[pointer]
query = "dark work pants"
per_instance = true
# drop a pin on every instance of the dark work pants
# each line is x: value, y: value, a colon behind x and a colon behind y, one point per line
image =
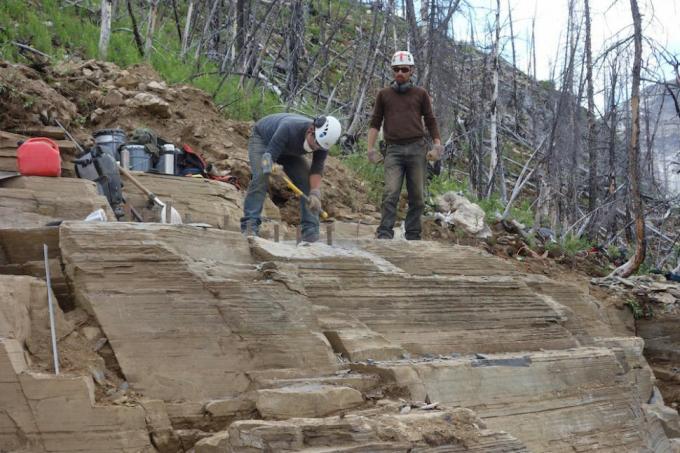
x: 404, y: 161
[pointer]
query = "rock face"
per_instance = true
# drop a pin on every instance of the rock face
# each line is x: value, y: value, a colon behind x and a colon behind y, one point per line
x: 33, y: 201
x: 456, y: 430
x: 43, y: 412
x: 198, y: 200
x: 214, y: 330
x: 587, y: 407
x: 306, y: 401
x: 256, y: 326
x: 194, y: 295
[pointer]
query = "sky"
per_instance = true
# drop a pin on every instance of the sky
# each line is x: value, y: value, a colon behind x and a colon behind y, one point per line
x: 611, y: 20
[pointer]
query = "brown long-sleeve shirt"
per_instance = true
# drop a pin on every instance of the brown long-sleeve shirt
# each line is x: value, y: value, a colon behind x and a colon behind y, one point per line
x: 403, y: 115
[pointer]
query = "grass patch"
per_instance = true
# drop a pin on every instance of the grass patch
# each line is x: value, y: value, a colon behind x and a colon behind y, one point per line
x: 64, y: 31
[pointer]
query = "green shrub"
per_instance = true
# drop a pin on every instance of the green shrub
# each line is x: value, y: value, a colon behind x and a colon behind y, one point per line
x: 572, y: 244
x: 635, y: 308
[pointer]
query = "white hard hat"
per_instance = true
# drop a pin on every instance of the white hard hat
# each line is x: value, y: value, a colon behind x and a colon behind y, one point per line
x: 402, y: 58
x: 327, y: 130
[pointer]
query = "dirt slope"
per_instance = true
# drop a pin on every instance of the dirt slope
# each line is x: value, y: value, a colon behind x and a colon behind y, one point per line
x: 87, y: 95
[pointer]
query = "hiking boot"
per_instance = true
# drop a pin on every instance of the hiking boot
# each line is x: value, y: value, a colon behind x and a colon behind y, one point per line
x: 310, y: 238
x: 383, y: 236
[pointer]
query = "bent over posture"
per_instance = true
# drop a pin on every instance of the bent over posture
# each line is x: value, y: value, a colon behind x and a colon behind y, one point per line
x: 287, y: 138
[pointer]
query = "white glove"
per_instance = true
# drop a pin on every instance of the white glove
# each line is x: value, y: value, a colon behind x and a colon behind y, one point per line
x: 435, y: 153
x: 373, y: 157
x: 314, y: 201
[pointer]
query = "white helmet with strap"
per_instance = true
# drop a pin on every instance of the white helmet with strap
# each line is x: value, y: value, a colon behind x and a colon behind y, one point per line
x: 327, y: 131
x: 402, y: 58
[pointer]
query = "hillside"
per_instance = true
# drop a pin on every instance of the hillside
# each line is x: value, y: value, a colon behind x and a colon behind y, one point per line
x: 191, y: 338
x: 180, y: 338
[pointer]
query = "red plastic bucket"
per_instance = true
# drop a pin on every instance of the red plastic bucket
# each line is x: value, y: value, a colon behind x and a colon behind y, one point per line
x: 39, y: 157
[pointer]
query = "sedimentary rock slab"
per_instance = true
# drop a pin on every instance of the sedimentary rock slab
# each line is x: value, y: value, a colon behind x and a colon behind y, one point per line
x: 306, y: 401
x: 452, y: 430
x: 186, y: 311
x: 33, y: 201
x: 435, y: 258
x: 552, y: 401
x: 198, y: 200
x: 424, y: 315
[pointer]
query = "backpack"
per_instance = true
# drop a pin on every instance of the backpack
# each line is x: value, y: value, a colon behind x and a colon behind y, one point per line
x: 189, y: 162
x: 99, y: 166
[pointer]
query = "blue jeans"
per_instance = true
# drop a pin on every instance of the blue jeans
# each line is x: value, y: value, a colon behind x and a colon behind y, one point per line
x: 404, y: 162
x: 297, y: 169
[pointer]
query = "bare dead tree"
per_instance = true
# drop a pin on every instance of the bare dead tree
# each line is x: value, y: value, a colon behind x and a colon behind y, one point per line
x: 493, y: 115
x: 135, y: 29
x: 367, y: 70
x: 295, y: 45
x: 105, y: 30
x: 514, y: 99
x: 590, y: 141
x: 206, y: 29
x: 638, y: 257
x: 413, y: 34
x: 175, y: 14
x: 150, y: 27
x: 187, y: 29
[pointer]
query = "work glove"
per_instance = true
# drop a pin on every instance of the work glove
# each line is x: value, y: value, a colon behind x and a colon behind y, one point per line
x: 314, y: 201
x: 277, y: 169
x: 373, y: 157
x: 435, y: 153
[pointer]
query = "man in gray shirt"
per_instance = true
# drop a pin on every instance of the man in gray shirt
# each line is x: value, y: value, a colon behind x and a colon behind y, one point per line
x: 288, y: 138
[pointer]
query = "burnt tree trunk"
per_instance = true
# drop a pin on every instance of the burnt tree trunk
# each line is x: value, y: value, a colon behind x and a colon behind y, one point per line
x: 638, y: 257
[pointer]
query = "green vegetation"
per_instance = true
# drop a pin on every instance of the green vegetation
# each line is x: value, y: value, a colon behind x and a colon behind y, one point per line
x: 370, y: 174
x: 635, y: 308
x: 61, y: 31
x: 573, y: 245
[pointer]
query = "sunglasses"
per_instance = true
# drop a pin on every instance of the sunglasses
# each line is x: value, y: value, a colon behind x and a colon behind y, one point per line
x: 405, y: 70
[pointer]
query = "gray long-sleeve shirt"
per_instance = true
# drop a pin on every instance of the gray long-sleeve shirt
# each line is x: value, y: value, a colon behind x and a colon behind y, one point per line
x: 284, y: 134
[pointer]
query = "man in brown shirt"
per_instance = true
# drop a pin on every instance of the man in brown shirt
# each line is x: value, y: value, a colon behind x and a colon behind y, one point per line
x: 400, y: 109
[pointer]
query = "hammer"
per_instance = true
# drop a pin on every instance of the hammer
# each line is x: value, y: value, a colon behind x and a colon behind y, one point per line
x: 268, y: 168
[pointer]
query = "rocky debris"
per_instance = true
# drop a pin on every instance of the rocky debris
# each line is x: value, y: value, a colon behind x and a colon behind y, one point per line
x: 8, y: 151
x: 34, y: 201
x: 151, y: 103
x: 457, y: 210
x: 163, y: 437
x: 656, y: 303
x: 306, y: 401
x: 229, y: 408
x: 101, y: 95
x: 651, y: 288
x: 668, y: 417
x: 452, y: 430
x: 219, y: 443
x: 28, y: 101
